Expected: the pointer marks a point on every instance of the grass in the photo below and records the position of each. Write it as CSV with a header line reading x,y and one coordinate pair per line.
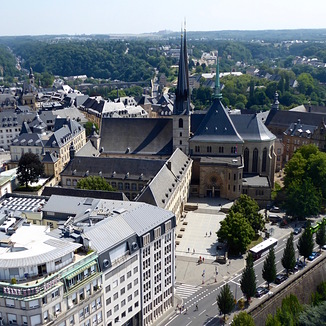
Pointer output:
x,y
255,241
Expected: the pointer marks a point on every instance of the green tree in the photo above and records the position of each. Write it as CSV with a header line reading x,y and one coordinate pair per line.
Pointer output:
x,y
269,268
248,279
306,83
303,199
243,319
225,300
249,208
237,231
306,242
94,183
312,316
30,168
321,235
272,321
288,259
89,128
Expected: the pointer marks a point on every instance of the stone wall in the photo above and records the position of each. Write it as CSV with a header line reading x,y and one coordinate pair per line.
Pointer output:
x,y
302,286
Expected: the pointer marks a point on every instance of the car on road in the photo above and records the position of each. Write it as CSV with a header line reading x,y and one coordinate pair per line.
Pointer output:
x,y
297,230
260,291
313,255
280,278
275,209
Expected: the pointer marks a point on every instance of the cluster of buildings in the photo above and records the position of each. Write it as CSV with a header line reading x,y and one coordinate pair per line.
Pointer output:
x,y
89,258
84,261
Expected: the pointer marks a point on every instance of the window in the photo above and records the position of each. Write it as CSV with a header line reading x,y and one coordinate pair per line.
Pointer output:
x,y
167,226
136,293
264,161
116,308
246,160
157,232
136,281
122,278
129,275
55,294
129,297
197,149
129,286
234,150
115,296
221,149
127,186
146,239
136,270
108,301
120,185
180,134
255,161
209,149
122,291
180,142
123,302
180,123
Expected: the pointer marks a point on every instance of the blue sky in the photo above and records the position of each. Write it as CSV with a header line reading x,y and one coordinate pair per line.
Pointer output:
x,y
38,17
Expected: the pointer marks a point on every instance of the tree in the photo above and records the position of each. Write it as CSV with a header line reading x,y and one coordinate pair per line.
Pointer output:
x,y
225,300
30,168
269,267
89,127
243,319
315,315
306,242
321,235
248,279
94,183
236,231
288,259
303,199
249,208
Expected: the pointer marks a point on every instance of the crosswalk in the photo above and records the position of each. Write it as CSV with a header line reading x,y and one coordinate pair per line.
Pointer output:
x,y
184,291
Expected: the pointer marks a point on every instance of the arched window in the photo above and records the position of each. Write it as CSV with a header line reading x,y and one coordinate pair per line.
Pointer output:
x,y
255,161
264,162
180,123
246,160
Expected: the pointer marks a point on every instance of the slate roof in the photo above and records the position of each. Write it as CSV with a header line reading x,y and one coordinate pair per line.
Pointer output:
x,y
282,119
300,130
251,128
88,150
217,126
50,157
28,139
137,136
136,167
160,190
114,195
255,181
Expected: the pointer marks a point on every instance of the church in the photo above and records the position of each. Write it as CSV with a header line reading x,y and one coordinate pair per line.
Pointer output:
x,y
232,154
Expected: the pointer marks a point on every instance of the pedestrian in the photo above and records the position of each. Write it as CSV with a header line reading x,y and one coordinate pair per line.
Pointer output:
x,y
186,310
210,233
203,259
188,250
193,250
206,234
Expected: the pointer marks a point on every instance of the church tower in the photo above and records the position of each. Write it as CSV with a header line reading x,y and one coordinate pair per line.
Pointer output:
x,y
181,108
31,76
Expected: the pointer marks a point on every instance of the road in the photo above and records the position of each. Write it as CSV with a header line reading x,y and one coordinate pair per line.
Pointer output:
x,y
205,296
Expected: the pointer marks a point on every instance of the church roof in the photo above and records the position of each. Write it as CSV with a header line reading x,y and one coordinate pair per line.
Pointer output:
x,y
217,126
137,136
251,128
113,167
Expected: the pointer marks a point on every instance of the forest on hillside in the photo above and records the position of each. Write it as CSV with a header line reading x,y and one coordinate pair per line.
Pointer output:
x,y
103,59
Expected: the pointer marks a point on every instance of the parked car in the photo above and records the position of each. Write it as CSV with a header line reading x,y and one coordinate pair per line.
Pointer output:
x,y
323,247
260,291
297,230
280,278
275,209
313,255
300,264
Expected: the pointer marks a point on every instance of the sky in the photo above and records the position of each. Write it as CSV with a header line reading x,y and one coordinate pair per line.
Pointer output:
x,y
39,17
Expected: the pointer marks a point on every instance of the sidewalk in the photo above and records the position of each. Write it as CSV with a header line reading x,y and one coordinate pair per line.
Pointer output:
x,y
196,237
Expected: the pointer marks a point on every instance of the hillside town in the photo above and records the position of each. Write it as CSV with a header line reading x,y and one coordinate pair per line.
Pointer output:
x,y
149,249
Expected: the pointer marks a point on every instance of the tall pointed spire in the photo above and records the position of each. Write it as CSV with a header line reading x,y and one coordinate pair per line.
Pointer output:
x,y
182,100
217,93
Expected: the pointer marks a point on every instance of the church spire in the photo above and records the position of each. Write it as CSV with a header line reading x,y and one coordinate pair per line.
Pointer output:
x,y
217,93
182,100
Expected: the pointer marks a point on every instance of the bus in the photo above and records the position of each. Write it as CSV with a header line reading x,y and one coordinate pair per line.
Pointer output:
x,y
263,248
